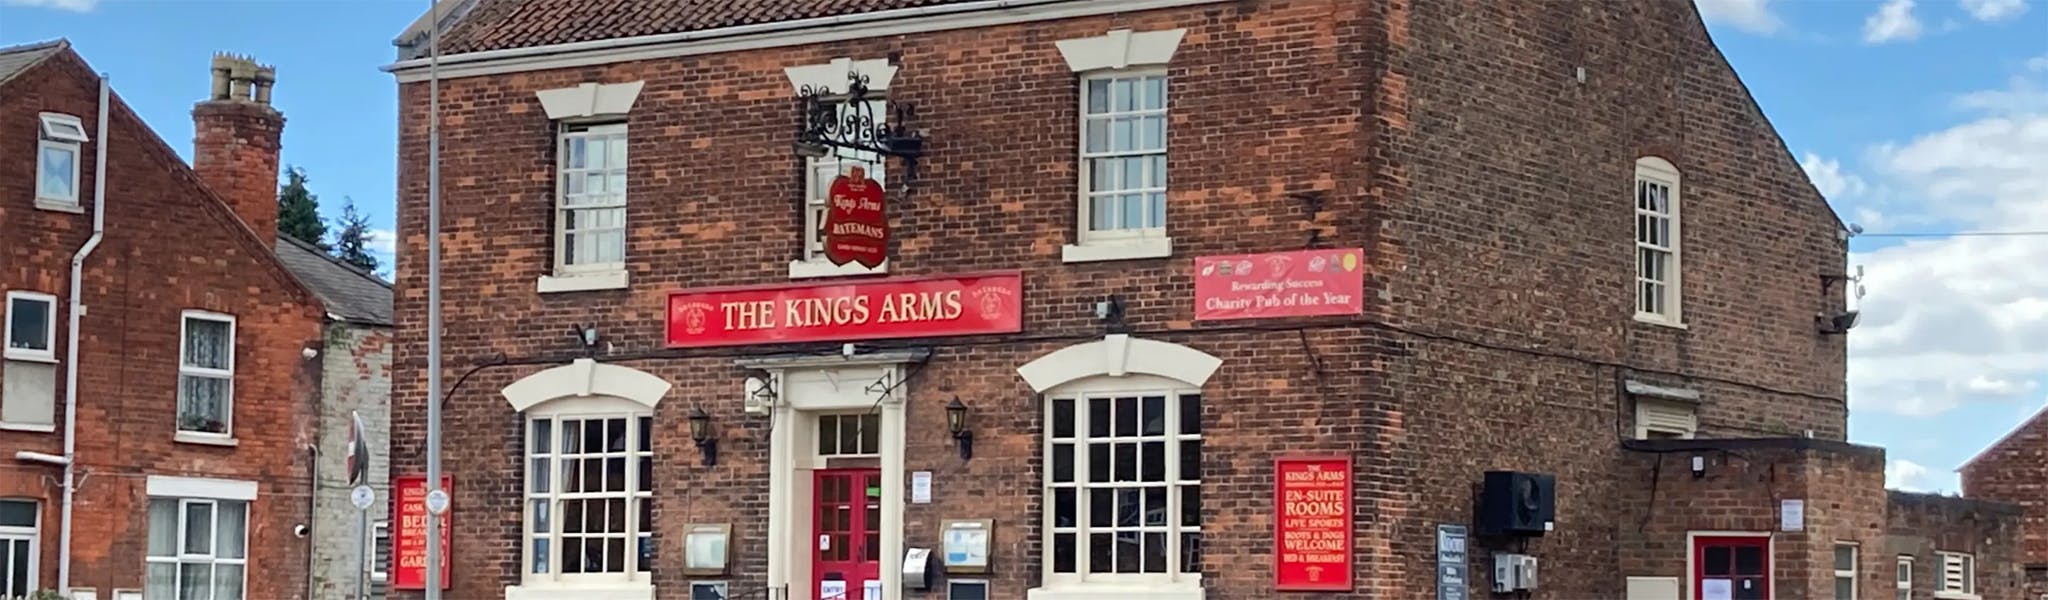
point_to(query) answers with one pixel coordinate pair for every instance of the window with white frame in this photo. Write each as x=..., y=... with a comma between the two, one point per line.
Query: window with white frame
x=590, y=199
x=1904, y=579
x=19, y=543
x=1657, y=239
x=31, y=326
x=589, y=487
x=1123, y=476
x=57, y=159
x=198, y=549
x=707, y=590
x=1958, y=573
x=1845, y=571
x=1123, y=156
x=850, y=435
x=206, y=374
x=821, y=171
x=380, y=555
x=1665, y=419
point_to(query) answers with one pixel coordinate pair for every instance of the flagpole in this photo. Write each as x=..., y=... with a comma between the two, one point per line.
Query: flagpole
x=433, y=533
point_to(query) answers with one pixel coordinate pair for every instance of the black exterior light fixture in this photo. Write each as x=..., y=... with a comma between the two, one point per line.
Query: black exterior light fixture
x=860, y=120
x=956, y=422
x=700, y=431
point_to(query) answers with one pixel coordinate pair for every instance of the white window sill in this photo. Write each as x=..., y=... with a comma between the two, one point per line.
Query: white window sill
x=34, y=427
x=1659, y=320
x=583, y=282
x=1118, y=250
x=1956, y=596
x=70, y=206
x=1114, y=592
x=806, y=269
x=204, y=439
x=571, y=591
x=31, y=357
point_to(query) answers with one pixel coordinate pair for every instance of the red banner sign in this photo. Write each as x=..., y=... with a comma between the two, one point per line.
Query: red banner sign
x=1281, y=284
x=890, y=308
x=1312, y=524
x=856, y=229
x=409, y=543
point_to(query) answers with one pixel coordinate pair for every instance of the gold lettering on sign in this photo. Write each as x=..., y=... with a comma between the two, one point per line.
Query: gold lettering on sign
x=749, y=314
x=921, y=306
x=813, y=312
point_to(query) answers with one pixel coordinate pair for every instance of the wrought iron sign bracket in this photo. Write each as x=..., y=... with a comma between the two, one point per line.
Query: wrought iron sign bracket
x=861, y=121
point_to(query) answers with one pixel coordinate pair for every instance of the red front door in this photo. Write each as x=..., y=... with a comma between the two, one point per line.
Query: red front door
x=1731, y=568
x=848, y=553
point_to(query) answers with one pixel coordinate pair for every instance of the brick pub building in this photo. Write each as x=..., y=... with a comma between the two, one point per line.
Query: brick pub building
x=146, y=294
x=1571, y=249
x=2015, y=469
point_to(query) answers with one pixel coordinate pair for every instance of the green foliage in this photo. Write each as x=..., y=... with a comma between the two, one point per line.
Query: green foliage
x=298, y=210
x=351, y=243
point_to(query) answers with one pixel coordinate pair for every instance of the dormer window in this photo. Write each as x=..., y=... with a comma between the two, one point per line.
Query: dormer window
x=57, y=162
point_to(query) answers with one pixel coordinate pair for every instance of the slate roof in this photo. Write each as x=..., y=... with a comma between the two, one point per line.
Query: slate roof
x=351, y=294
x=15, y=59
x=501, y=24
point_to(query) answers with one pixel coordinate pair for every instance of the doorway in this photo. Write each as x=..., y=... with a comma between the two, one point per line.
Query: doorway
x=846, y=563
x=1731, y=568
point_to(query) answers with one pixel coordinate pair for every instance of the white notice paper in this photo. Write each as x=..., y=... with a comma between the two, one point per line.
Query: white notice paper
x=831, y=590
x=1792, y=515
x=1717, y=589
x=871, y=589
x=921, y=487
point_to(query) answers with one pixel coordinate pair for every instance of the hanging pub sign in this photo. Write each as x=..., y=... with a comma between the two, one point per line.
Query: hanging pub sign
x=863, y=310
x=856, y=227
x=1312, y=524
x=1305, y=283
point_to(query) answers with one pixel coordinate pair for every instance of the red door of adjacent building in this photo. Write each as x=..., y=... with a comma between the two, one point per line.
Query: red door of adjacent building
x=1731, y=568
x=849, y=530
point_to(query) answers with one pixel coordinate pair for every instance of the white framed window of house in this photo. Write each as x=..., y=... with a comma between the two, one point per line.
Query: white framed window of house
x=19, y=543
x=380, y=556
x=589, y=491
x=1122, y=130
x=1904, y=578
x=198, y=548
x=58, y=161
x=850, y=435
x=206, y=377
x=1123, y=482
x=590, y=200
x=1658, y=280
x=708, y=590
x=1958, y=576
x=1665, y=419
x=1845, y=571
x=31, y=326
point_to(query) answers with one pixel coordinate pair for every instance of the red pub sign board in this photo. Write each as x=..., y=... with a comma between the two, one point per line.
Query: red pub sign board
x=1312, y=523
x=409, y=543
x=856, y=228
x=1306, y=283
x=865, y=310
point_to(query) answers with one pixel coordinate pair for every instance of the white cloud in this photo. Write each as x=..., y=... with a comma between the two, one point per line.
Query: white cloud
x=1902, y=474
x=1827, y=175
x=1753, y=16
x=1994, y=10
x=1891, y=23
x=1998, y=386
x=70, y=5
x=2038, y=63
x=2022, y=95
x=382, y=241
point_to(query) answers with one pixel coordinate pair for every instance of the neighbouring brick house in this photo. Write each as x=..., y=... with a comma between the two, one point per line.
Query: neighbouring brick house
x=355, y=379
x=682, y=368
x=194, y=390
x=2015, y=469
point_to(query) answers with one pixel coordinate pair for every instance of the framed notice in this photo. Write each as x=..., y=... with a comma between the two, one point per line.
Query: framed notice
x=409, y=543
x=1312, y=523
x=1303, y=283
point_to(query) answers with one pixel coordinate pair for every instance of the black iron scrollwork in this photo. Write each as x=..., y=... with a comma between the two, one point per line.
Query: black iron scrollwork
x=858, y=120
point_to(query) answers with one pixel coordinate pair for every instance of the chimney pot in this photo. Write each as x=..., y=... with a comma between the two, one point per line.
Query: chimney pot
x=237, y=137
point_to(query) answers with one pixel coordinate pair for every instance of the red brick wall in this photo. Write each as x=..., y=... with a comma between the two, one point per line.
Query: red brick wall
x=168, y=247
x=235, y=150
x=2016, y=471
x=1450, y=140
x=1923, y=524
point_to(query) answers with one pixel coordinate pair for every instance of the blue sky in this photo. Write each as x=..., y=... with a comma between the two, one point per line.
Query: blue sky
x=1912, y=115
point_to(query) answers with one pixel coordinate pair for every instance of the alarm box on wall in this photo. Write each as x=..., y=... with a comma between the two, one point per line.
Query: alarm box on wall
x=1517, y=504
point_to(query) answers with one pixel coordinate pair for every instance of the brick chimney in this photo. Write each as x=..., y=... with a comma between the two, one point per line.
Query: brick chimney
x=236, y=137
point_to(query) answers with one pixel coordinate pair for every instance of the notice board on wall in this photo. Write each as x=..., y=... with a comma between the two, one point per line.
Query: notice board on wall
x=1312, y=523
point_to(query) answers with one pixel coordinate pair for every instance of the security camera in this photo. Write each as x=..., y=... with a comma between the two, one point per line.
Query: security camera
x=300, y=530
x=309, y=353
x=1838, y=324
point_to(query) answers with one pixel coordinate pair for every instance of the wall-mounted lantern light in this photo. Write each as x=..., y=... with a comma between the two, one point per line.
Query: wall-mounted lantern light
x=700, y=431
x=956, y=422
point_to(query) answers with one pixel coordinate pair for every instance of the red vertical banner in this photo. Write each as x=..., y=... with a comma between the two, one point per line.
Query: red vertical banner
x=1312, y=523
x=409, y=542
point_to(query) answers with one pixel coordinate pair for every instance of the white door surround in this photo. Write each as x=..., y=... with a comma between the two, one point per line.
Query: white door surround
x=804, y=388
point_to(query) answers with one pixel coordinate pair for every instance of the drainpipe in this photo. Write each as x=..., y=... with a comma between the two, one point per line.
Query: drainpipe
x=312, y=518
x=99, y=227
